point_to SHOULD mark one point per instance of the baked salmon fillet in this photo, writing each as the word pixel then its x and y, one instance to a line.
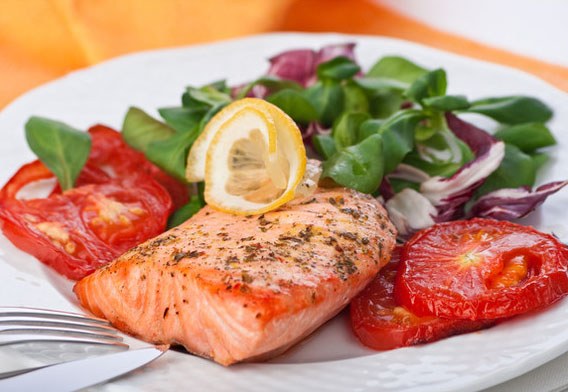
pixel 236 288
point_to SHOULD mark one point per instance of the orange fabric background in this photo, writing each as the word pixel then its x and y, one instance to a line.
pixel 43 39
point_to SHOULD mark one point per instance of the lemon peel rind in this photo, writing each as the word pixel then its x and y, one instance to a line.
pixel 286 139
pixel 195 167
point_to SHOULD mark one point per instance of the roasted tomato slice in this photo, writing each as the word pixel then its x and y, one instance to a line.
pixel 381 324
pixel 481 269
pixel 115 155
pixel 115 205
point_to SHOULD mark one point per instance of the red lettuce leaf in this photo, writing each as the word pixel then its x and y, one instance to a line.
pixel 315 128
pixel 409 173
pixel 476 138
pixel 300 65
pixel 329 52
pixel 508 204
pixel 449 195
pixel 410 211
pixel 386 191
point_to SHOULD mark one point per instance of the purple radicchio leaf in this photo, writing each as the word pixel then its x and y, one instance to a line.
pixel 257 91
pixel 409 173
pixel 329 52
pixel 236 90
pixel 314 128
pixel 386 190
pixel 508 204
pixel 476 138
pixel 402 172
pixel 410 211
pixel 300 65
pixel 449 195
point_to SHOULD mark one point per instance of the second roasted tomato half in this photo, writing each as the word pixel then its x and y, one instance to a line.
pixel 381 324
pixel 481 269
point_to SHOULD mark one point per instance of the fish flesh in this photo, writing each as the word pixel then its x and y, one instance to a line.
pixel 245 288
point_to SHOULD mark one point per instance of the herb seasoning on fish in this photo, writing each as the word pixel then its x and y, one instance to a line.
pixel 273 263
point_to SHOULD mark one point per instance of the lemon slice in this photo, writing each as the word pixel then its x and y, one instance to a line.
pixel 251 157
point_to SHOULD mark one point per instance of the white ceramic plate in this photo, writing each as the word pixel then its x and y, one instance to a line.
pixel 331 359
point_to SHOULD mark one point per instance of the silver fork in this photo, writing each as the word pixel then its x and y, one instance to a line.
pixel 20 325
pixel 23 325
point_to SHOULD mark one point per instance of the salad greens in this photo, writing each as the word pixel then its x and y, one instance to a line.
pixel 393 132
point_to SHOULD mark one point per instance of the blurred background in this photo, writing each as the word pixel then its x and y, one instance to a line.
pixel 43 39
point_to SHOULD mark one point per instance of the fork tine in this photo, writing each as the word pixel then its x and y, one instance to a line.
pixel 36 338
pixel 48 314
pixel 106 329
pixel 60 332
pixel 23 325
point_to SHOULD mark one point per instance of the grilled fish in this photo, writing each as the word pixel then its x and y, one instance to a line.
pixel 234 288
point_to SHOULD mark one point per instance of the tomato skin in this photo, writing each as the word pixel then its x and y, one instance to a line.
pixel 481 269
pixel 30 172
pixel 379 323
pixel 125 160
pixel 115 205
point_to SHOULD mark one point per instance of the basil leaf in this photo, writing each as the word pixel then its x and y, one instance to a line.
pixel 355 98
pixel 431 84
pixel 397 68
pixel 181 119
pixel 295 105
pixel 272 83
pixel 338 68
pixel 358 167
pixel 398 136
pixel 324 145
pixel 517 169
pixel 63 149
pixel 345 131
pixel 140 129
pixel 512 110
pixel 328 99
pixel 447 103
pixel 185 212
pixel 171 154
pixel 528 137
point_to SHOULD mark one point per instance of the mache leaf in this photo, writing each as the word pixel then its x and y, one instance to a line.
pixel 397 68
pixel 358 167
pixel 515 109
